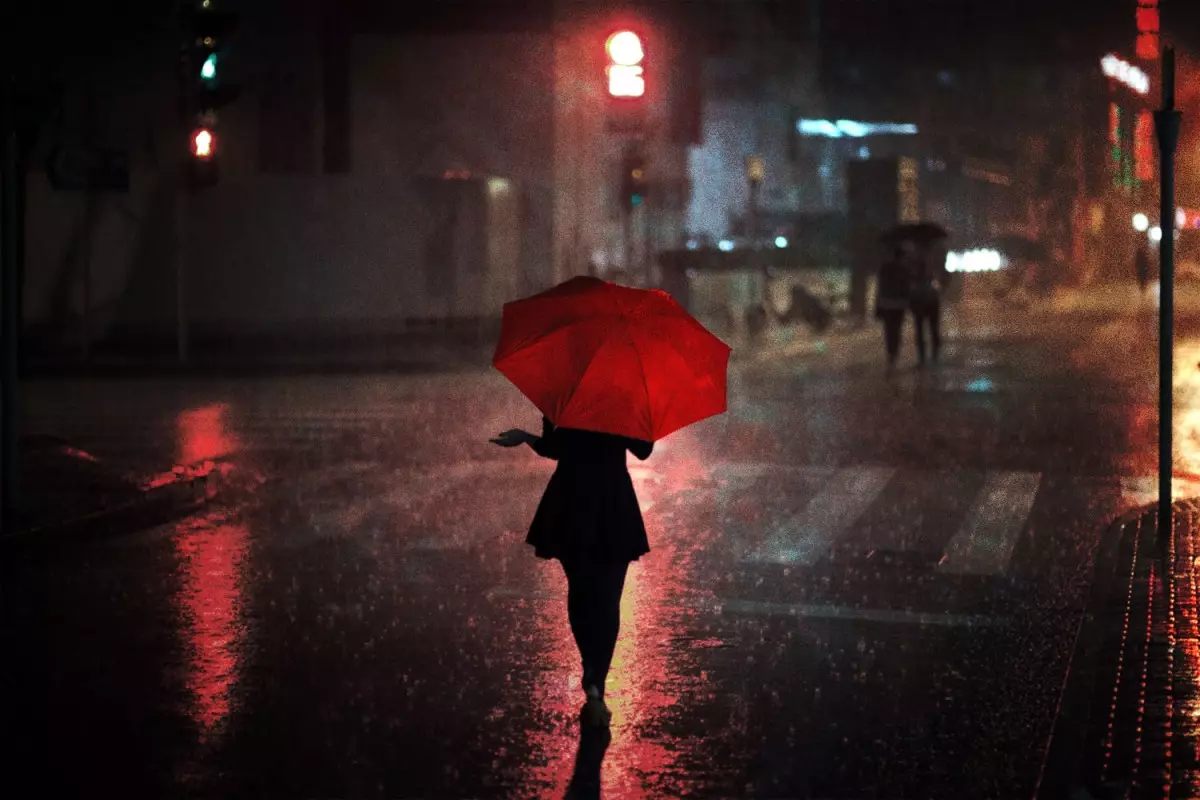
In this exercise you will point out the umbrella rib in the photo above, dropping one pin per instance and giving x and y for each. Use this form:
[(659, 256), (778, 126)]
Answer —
[(582, 375), (646, 386)]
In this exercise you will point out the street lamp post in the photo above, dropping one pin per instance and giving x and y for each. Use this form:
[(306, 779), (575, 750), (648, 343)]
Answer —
[(1166, 124)]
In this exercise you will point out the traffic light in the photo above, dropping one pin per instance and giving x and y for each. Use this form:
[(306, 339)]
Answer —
[(204, 144), (633, 181), (626, 72), (203, 165), (209, 32), (207, 35)]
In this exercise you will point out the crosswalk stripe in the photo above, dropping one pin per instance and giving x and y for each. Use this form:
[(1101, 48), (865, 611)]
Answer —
[(984, 544), (806, 537), (719, 605), (889, 615)]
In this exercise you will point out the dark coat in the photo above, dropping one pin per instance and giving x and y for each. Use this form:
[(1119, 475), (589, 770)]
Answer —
[(589, 508), (892, 291)]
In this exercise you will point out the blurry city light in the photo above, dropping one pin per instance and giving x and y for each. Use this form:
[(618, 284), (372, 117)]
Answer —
[(692, 244), (855, 130), (203, 143), (1126, 73), (625, 74), (864, 152), (1181, 218), (979, 260), (626, 81), (1156, 234), (1141, 223), (781, 241), (725, 245), (209, 70), (625, 48)]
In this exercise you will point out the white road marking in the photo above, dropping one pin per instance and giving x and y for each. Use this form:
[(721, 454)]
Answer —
[(985, 542), (807, 536), (887, 615), (719, 606)]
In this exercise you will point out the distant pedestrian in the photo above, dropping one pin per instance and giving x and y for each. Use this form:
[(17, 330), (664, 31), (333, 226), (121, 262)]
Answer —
[(892, 299), (925, 301), (590, 520), (1142, 265)]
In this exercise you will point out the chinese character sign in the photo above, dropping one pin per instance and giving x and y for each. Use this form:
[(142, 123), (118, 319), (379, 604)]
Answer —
[(1147, 30), (1143, 146)]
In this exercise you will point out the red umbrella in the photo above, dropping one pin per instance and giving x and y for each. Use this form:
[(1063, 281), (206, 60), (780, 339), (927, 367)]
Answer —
[(601, 357)]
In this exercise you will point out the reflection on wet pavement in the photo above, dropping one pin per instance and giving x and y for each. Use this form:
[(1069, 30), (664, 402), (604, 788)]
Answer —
[(855, 591)]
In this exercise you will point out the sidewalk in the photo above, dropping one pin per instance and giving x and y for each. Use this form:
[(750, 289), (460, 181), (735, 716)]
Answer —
[(1130, 716), (1118, 298), (65, 492)]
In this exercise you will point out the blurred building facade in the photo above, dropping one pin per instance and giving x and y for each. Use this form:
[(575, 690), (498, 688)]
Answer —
[(390, 163), (384, 166)]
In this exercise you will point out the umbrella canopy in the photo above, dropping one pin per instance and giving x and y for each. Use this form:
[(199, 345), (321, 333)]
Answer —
[(601, 357), (919, 232)]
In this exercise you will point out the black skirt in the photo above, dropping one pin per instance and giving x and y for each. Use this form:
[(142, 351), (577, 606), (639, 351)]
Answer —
[(590, 509)]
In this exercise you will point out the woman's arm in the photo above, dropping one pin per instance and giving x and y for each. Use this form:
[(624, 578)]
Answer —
[(640, 448), (549, 444)]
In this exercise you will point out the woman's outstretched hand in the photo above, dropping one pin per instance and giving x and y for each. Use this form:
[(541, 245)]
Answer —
[(513, 438)]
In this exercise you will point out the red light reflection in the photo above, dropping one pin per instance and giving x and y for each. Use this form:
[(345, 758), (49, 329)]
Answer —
[(645, 676), (211, 551), (204, 434)]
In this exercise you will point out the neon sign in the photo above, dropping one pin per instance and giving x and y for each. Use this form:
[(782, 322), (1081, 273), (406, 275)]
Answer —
[(836, 129), (1143, 146), (1126, 73), (1147, 29)]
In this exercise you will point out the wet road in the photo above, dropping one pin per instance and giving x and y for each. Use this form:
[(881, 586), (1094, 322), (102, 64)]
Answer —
[(857, 589)]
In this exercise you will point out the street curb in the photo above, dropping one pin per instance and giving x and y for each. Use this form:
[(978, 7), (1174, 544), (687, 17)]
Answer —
[(1111, 713), (210, 369), (156, 505)]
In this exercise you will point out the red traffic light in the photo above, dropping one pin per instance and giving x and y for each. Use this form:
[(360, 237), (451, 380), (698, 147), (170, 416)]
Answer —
[(204, 143), (626, 76)]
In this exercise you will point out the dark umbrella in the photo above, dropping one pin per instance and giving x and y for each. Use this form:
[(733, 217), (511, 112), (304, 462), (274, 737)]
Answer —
[(919, 232)]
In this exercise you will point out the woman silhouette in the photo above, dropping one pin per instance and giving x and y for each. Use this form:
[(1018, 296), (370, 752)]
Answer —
[(590, 520)]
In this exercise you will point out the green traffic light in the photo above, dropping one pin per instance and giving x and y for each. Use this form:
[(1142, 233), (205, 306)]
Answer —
[(209, 70)]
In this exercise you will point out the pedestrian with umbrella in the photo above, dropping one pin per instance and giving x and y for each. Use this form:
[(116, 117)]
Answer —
[(926, 278), (892, 298), (613, 369)]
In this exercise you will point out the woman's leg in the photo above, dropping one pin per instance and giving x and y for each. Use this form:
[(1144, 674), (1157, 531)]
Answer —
[(610, 583), (579, 611), (594, 609), (935, 327), (919, 318), (893, 322)]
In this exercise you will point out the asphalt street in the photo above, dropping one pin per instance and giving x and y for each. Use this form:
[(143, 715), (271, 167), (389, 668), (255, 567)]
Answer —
[(858, 588)]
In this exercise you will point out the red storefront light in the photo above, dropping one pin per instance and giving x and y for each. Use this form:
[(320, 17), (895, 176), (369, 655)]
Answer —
[(1148, 22), (1143, 146)]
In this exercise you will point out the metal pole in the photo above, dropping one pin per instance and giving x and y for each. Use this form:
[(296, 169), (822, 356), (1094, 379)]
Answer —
[(8, 296), (86, 256), (181, 222), (1166, 123), (180, 166), (628, 224)]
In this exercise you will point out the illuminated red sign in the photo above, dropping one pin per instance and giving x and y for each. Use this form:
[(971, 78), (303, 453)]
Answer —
[(1147, 47), (1143, 146)]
